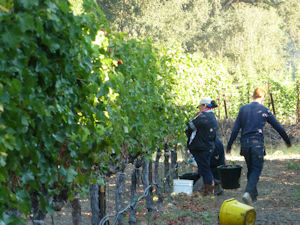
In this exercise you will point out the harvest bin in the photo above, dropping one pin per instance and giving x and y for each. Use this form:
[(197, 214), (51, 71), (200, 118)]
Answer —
[(230, 176), (233, 212)]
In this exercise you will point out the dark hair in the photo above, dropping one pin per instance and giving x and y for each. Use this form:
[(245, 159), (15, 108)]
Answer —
[(214, 104)]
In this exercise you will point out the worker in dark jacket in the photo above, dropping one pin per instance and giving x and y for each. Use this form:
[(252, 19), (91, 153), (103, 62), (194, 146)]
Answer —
[(251, 120), (201, 142)]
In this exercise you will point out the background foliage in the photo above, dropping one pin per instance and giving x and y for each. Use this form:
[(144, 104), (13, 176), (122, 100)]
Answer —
[(256, 41)]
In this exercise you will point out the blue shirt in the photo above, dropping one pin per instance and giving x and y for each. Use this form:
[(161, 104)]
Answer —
[(251, 120)]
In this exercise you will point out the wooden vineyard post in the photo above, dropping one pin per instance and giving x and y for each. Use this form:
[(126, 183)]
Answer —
[(94, 204), (98, 203), (219, 110), (167, 172), (76, 210), (120, 189), (248, 95), (135, 181), (138, 176), (273, 106), (149, 201), (174, 163), (158, 181), (225, 106), (102, 202), (268, 91), (150, 173), (132, 217)]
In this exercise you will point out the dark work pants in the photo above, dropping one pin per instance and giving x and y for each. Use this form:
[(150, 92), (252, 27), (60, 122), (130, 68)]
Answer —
[(203, 162), (253, 152)]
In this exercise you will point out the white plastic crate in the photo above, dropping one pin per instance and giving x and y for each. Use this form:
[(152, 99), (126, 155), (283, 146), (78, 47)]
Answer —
[(183, 186)]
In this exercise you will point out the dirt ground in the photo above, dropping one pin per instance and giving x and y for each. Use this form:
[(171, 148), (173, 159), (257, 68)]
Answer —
[(278, 201)]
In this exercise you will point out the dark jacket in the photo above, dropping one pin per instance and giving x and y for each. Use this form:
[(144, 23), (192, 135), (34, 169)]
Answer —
[(251, 120), (218, 156), (202, 131)]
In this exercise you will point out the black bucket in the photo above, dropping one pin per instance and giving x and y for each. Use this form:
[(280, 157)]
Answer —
[(230, 176), (190, 176)]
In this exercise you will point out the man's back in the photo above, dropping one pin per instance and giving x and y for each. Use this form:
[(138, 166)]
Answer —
[(251, 120)]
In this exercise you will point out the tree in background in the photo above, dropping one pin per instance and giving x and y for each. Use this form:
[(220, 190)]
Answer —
[(255, 40), (250, 37), (289, 11), (166, 22)]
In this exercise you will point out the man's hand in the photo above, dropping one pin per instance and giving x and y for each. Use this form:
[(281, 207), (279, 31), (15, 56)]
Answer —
[(289, 145), (228, 151)]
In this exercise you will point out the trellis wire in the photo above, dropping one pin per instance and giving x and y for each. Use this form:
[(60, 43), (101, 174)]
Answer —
[(132, 205), (145, 194)]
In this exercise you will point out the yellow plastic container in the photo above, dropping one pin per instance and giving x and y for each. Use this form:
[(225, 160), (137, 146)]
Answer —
[(233, 212)]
